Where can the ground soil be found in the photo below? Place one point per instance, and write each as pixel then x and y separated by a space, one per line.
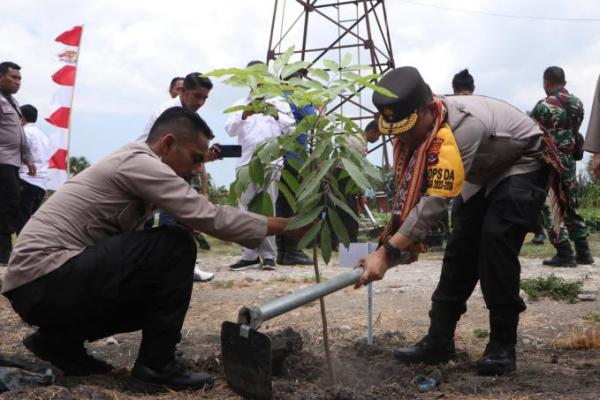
pixel 546 370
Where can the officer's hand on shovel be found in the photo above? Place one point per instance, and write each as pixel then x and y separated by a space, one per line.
pixel 375 265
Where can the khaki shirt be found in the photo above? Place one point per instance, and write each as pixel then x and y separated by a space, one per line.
pixel 13 145
pixel 116 195
pixel 494 140
pixel 592 137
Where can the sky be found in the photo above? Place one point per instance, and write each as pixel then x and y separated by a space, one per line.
pixel 131 49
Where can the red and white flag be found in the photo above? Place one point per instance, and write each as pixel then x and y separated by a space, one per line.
pixel 62 102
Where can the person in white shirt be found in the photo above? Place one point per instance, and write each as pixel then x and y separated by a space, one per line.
pixel 190 93
pixel 251 129
pixel 176 86
pixel 33 188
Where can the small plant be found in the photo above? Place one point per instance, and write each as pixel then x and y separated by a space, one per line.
pixel 582 339
pixel 592 316
pixel 327 166
pixel 481 333
pixel 552 286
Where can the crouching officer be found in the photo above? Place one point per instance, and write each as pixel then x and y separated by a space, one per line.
pixel 499 162
pixel 83 268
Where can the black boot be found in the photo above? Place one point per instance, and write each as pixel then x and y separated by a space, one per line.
pixel 584 255
pixel 438 345
pixel 499 356
pixel 69 355
pixel 296 257
pixel 497 359
pixel 564 256
pixel 173 376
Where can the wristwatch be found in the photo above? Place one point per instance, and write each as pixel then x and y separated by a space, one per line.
pixel 392 253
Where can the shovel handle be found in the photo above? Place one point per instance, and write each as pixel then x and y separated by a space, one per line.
pixel 254 316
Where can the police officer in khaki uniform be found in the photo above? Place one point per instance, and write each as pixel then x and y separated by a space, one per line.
pixel 497 149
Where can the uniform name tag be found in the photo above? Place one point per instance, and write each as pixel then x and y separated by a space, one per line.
pixel 445 173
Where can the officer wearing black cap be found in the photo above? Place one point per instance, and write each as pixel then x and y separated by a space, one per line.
pixel 495 158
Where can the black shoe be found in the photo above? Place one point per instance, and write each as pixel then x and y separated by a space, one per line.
pixel 497 359
pixel 564 257
pixel 174 376
pixel 557 261
pixel 70 358
pixel 584 255
pixel 268 264
pixel 538 239
pixel 245 264
pixel 428 350
pixel 296 258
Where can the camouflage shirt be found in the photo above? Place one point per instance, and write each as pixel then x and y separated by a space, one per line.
pixel 561 114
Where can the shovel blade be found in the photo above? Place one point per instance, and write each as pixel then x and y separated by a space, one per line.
pixel 247 361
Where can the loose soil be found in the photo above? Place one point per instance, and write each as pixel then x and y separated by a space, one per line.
pixel 401 301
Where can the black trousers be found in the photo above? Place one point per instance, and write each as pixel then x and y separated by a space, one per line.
pixel 31 199
pixel 488 232
pixel 140 280
pixel 9 207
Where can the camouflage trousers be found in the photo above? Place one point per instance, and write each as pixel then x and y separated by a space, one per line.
pixel 573 226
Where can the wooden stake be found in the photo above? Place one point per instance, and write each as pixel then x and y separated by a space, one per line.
pixel 323 319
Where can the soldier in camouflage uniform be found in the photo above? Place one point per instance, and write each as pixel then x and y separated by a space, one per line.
pixel 561 113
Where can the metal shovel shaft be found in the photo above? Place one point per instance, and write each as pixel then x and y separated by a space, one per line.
pixel 254 316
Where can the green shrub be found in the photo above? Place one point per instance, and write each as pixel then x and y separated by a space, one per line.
pixel 553 287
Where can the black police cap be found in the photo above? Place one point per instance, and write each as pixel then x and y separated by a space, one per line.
pixel 398 114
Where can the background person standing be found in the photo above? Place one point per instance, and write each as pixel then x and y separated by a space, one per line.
pixel 561 113
pixel 33 188
pixel 14 151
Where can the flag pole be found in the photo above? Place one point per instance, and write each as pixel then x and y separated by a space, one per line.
pixel 71 105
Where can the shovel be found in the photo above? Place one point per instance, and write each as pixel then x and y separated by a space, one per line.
pixel 247 352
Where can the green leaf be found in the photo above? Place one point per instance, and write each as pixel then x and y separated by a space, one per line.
pixel 319 73
pixel 314 181
pixel 282 60
pixel 338 226
pixel 326 243
pixel 235 108
pixel 346 60
pixel 257 171
pixel 351 188
pixel 294 163
pixel 310 202
pixel 304 219
pixel 356 174
pixel 382 90
pixel 289 69
pixel 233 197
pixel 288 195
pixel 290 180
pixel 342 204
pixel 262 204
pixel 267 205
pixel 331 65
pixel 242 179
pixel 310 235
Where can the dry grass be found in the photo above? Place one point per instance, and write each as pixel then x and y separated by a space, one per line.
pixel 585 338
